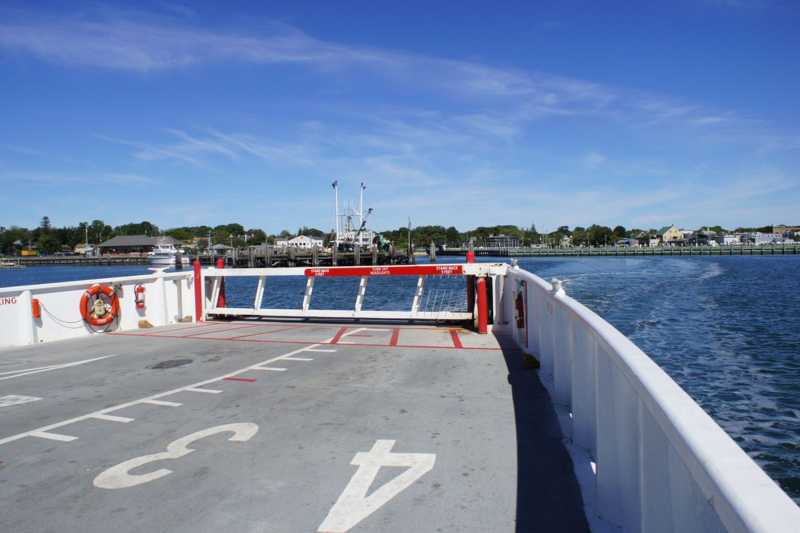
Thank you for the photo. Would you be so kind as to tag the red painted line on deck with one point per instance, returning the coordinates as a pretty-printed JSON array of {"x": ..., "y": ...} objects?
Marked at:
[
  {"x": 267, "y": 324},
  {"x": 338, "y": 335},
  {"x": 329, "y": 326},
  {"x": 395, "y": 337},
  {"x": 262, "y": 332},
  {"x": 197, "y": 335},
  {"x": 471, "y": 348},
  {"x": 206, "y": 325},
  {"x": 240, "y": 379},
  {"x": 456, "y": 340}
]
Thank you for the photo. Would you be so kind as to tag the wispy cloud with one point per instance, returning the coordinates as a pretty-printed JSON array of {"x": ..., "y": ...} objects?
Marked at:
[
  {"x": 143, "y": 42},
  {"x": 139, "y": 42},
  {"x": 547, "y": 146},
  {"x": 33, "y": 152},
  {"x": 39, "y": 179},
  {"x": 779, "y": 5},
  {"x": 181, "y": 153},
  {"x": 594, "y": 160},
  {"x": 127, "y": 178}
]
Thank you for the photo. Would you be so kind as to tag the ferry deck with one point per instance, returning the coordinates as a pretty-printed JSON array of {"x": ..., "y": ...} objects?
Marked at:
[
  {"x": 281, "y": 426},
  {"x": 154, "y": 403}
]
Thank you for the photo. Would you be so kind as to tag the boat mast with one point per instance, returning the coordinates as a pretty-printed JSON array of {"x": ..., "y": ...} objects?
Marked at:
[
  {"x": 336, "y": 203},
  {"x": 361, "y": 207},
  {"x": 361, "y": 212}
]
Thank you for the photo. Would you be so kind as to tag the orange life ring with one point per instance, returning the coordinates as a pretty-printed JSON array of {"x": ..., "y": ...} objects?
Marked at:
[{"x": 102, "y": 313}]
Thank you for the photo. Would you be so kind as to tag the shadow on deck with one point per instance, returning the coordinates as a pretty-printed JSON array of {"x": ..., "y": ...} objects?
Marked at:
[{"x": 548, "y": 495}]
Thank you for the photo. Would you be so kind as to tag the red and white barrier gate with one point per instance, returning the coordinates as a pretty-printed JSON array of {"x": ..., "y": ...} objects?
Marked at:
[{"x": 438, "y": 311}]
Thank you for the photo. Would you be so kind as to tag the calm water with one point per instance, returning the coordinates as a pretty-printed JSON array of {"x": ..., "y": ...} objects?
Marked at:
[{"x": 725, "y": 328}]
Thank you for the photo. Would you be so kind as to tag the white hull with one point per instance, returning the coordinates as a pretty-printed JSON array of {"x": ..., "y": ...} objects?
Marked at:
[{"x": 166, "y": 260}]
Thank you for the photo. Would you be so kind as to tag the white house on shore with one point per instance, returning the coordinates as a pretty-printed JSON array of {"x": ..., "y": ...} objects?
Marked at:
[
  {"x": 301, "y": 242},
  {"x": 729, "y": 239},
  {"x": 763, "y": 238},
  {"x": 84, "y": 249}
]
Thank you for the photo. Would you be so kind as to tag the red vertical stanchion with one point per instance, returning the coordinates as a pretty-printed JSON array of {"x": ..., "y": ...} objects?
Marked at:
[
  {"x": 483, "y": 319},
  {"x": 221, "y": 301},
  {"x": 198, "y": 292},
  {"x": 470, "y": 285}
]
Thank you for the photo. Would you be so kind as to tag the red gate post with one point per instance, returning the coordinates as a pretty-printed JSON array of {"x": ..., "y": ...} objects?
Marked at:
[
  {"x": 198, "y": 293},
  {"x": 483, "y": 319},
  {"x": 221, "y": 302},
  {"x": 470, "y": 285}
]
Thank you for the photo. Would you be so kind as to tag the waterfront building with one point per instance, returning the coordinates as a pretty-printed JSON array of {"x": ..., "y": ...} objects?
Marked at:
[
  {"x": 133, "y": 244},
  {"x": 698, "y": 239},
  {"x": 729, "y": 239},
  {"x": 763, "y": 238},
  {"x": 84, "y": 249},
  {"x": 222, "y": 249},
  {"x": 500, "y": 241},
  {"x": 668, "y": 234},
  {"x": 301, "y": 242},
  {"x": 784, "y": 229}
]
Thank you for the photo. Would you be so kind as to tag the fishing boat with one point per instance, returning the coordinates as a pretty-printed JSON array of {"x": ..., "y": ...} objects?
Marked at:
[
  {"x": 165, "y": 253},
  {"x": 196, "y": 401}
]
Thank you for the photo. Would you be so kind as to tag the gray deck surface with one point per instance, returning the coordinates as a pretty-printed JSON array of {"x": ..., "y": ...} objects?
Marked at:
[{"x": 458, "y": 405}]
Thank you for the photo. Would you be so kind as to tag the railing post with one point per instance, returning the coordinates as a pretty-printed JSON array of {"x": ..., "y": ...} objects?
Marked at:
[
  {"x": 483, "y": 319},
  {"x": 198, "y": 292},
  {"x": 470, "y": 285},
  {"x": 221, "y": 266},
  {"x": 362, "y": 290}
]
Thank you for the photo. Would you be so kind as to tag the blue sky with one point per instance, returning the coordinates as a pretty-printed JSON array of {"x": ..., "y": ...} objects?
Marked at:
[{"x": 462, "y": 113}]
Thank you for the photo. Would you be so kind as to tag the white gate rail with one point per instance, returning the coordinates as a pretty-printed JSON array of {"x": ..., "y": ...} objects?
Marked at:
[
  {"x": 662, "y": 464},
  {"x": 214, "y": 286}
]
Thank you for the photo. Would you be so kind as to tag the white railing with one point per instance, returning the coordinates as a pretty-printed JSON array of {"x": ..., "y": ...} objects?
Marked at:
[
  {"x": 662, "y": 464},
  {"x": 174, "y": 297},
  {"x": 169, "y": 298},
  {"x": 424, "y": 306}
]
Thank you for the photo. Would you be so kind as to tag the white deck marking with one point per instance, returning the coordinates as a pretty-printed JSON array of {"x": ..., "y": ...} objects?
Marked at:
[
  {"x": 52, "y": 436},
  {"x": 112, "y": 418},
  {"x": 13, "y": 399},
  {"x": 43, "y": 430},
  {"x": 162, "y": 403},
  {"x": 270, "y": 368},
  {"x": 354, "y": 505},
  {"x": 117, "y": 477},
  {"x": 305, "y": 359},
  {"x": 29, "y": 371},
  {"x": 207, "y": 391},
  {"x": 321, "y": 351}
]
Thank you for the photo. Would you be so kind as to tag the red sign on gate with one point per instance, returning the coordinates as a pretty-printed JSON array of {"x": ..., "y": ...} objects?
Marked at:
[{"x": 421, "y": 270}]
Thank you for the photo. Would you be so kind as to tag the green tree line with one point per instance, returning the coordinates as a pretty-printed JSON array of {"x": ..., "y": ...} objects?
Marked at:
[{"x": 48, "y": 240}]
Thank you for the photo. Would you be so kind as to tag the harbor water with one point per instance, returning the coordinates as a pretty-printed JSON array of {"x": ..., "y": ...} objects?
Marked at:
[{"x": 723, "y": 327}]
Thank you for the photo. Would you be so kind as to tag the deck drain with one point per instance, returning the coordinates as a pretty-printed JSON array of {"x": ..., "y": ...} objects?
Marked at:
[{"x": 172, "y": 363}]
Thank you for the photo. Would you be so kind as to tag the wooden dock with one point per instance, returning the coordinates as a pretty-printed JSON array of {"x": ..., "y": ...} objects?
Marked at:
[
  {"x": 612, "y": 251},
  {"x": 81, "y": 260},
  {"x": 254, "y": 257},
  {"x": 274, "y": 257}
]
